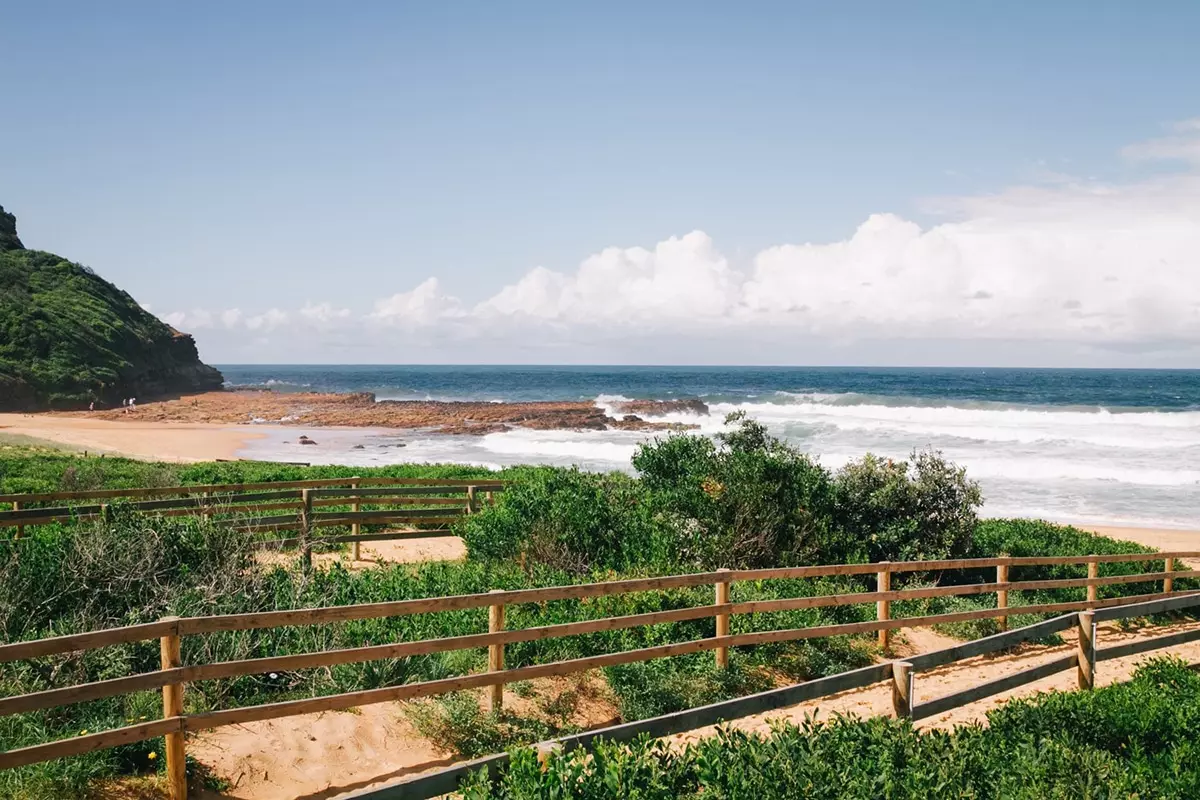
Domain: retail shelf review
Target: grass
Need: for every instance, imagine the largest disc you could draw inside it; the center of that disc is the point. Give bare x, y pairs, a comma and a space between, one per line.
1140, 739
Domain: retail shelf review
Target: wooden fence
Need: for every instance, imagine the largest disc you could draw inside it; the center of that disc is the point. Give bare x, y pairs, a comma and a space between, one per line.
173, 676
899, 674
431, 503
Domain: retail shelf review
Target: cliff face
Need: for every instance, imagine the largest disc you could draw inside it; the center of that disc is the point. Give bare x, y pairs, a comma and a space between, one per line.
69, 337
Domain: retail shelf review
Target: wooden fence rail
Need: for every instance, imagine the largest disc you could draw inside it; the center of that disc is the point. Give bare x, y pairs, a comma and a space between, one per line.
429, 503
173, 676
901, 675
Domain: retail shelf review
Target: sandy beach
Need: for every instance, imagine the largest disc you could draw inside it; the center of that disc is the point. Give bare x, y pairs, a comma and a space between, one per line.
148, 440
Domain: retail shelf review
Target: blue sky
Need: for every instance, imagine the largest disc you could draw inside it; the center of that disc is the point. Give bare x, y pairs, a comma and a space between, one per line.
251, 157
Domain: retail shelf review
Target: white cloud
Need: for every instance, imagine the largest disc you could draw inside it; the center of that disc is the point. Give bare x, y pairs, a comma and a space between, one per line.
323, 313
1182, 145
267, 321
423, 305
682, 278
1061, 260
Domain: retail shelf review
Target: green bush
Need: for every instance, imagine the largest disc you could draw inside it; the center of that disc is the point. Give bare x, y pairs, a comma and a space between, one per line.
747, 500
914, 510
571, 520
1132, 740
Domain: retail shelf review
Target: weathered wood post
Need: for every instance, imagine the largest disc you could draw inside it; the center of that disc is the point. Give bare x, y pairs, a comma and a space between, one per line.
722, 598
305, 526
20, 528
1002, 594
176, 758
355, 527
1169, 581
470, 499
902, 681
883, 608
496, 651
1093, 591
489, 499
1086, 669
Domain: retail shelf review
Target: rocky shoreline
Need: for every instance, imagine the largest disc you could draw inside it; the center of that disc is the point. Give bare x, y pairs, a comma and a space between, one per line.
362, 410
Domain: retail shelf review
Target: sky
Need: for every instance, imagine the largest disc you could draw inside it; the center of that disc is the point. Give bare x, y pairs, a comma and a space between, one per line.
921, 183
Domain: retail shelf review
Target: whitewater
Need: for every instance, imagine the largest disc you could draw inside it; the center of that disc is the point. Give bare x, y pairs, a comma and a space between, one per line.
1045, 448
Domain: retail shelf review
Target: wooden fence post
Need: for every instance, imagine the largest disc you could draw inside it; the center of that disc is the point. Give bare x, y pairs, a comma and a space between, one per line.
722, 598
204, 502
470, 499
355, 527
1093, 591
902, 680
1002, 594
883, 608
20, 528
490, 499
496, 651
1086, 670
305, 524
176, 759
1169, 581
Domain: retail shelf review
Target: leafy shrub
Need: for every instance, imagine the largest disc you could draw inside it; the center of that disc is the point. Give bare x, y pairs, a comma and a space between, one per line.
914, 510
570, 520
747, 500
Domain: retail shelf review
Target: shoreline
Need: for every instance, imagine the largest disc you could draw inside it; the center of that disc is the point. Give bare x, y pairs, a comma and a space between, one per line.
139, 439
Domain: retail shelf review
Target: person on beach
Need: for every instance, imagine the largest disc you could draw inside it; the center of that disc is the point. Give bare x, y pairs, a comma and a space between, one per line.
124, 406
92, 406
132, 403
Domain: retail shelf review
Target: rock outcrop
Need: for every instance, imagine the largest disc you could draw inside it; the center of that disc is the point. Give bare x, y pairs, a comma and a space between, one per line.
311, 410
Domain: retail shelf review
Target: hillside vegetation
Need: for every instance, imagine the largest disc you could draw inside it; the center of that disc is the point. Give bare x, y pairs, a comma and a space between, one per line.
68, 337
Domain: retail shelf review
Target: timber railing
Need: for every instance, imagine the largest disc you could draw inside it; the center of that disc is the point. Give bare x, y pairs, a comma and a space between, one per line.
432, 503
899, 674
173, 676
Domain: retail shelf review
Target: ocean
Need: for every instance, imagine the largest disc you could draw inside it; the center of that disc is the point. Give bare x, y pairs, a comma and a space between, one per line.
1115, 447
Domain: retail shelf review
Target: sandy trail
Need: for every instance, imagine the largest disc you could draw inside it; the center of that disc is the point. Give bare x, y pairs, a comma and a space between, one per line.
146, 440
372, 554
318, 756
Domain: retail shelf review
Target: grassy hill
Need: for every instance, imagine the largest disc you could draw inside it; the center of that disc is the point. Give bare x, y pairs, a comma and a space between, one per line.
68, 337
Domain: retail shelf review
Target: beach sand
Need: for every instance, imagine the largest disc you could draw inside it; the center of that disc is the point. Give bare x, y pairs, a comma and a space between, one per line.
150, 441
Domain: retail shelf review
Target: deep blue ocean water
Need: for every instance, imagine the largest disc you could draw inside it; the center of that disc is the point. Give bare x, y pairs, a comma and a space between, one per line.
1112, 389
1099, 446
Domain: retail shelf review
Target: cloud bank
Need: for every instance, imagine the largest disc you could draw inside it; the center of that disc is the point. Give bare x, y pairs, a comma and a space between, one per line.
1069, 261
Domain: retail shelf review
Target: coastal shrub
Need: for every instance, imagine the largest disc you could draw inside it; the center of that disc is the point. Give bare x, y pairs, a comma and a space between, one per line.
745, 500
1131, 740
575, 521
911, 510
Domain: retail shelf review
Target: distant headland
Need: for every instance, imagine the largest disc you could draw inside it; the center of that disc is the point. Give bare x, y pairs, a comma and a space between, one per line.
69, 338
